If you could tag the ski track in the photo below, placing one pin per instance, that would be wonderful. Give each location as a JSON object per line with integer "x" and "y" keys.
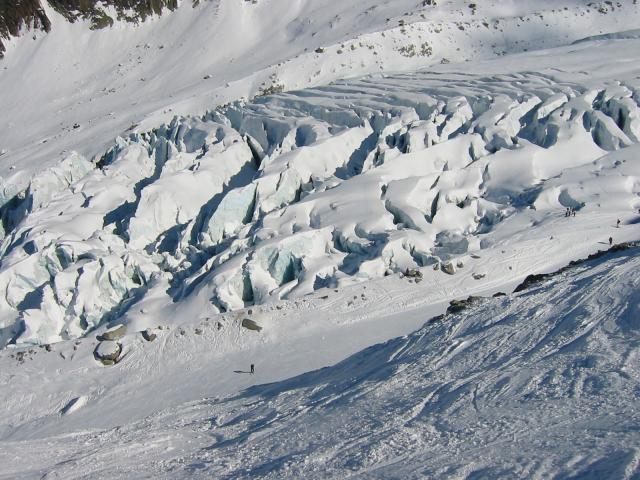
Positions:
{"x": 492, "y": 391}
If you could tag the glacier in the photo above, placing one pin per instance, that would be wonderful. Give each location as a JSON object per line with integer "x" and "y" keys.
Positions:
{"x": 256, "y": 202}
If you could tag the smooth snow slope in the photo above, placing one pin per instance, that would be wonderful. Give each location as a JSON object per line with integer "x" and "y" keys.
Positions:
{"x": 75, "y": 89}
{"x": 539, "y": 384}
{"x": 467, "y": 175}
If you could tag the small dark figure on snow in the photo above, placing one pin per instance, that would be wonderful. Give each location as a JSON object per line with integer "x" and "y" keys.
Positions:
{"x": 253, "y": 369}
{"x": 567, "y": 213}
{"x": 610, "y": 241}
{"x": 573, "y": 212}
{"x": 618, "y": 223}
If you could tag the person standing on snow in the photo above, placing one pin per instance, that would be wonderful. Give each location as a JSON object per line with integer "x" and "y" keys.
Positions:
{"x": 618, "y": 224}
{"x": 610, "y": 241}
{"x": 252, "y": 369}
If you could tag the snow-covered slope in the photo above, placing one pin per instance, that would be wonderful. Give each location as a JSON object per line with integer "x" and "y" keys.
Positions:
{"x": 543, "y": 383}
{"x": 76, "y": 89}
{"x": 467, "y": 174}
{"x": 159, "y": 236}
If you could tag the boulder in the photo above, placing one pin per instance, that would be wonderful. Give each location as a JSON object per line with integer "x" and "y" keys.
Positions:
{"x": 459, "y": 305}
{"x": 114, "y": 333}
{"x": 251, "y": 325}
{"x": 413, "y": 273}
{"x": 108, "y": 352}
{"x": 448, "y": 267}
{"x": 148, "y": 335}
{"x": 531, "y": 280}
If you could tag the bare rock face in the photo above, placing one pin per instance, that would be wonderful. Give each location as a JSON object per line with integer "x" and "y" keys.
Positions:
{"x": 108, "y": 352}
{"x": 17, "y": 16}
{"x": 114, "y": 333}
{"x": 251, "y": 325}
{"x": 126, "y": 10}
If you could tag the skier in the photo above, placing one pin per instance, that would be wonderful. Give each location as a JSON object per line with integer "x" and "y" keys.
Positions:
{"x": 610, "y": 241}
{"x": 573, "y": 211}
{"x": 252, "y": 369}
{"x": 567, "y": 213}
{"x": 618, "y": 224}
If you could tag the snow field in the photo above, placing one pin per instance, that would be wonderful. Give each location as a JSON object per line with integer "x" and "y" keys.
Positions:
{"x": 520, "y": 385}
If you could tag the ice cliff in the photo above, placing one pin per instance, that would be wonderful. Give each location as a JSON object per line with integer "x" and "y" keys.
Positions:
{"x": 304, "y": 190}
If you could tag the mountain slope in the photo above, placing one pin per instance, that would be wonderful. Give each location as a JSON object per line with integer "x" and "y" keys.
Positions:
{"x": 19, "y": 17}
{"x": 542, "y": 383}
{"x": 513, "y": 387}
{"x": 197, "y": 58}
{"x": 242, "y": 184}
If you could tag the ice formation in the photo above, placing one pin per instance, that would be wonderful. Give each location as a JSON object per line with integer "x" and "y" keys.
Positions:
{"x": 304, "y": 190}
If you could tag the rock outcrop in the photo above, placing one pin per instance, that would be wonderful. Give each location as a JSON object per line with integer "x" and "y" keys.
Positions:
{"x": 251, "y": 325}
{"x": 16, "y": 17}
{"x": 448, "y": 267}
{"x": 114, "y": 333}
{"x": 148, "y": 335}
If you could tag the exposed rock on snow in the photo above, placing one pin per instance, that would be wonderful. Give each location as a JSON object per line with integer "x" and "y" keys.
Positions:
{"x": 449, "y": 268}
{"x": 148, "y": 335}
{"x": 114, "y": 333}
{"x": 413, "y": 273}
{"x": 108, "y": 352}
{"x": 251, "y": 325}
{"x": 15, "y": 19}
{"x": 456, "y": 306}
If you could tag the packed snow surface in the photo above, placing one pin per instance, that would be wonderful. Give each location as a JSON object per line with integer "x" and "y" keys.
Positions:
{"x": 539, "y": 384}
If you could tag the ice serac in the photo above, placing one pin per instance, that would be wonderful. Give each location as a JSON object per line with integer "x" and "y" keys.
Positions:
{"x": 177, "y": 197}
{"x": 234, "y": 211}
{"x": 274, "y": 199}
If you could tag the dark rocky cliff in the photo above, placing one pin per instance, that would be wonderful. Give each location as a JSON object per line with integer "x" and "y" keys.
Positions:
{"x": 18, "y": 15}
